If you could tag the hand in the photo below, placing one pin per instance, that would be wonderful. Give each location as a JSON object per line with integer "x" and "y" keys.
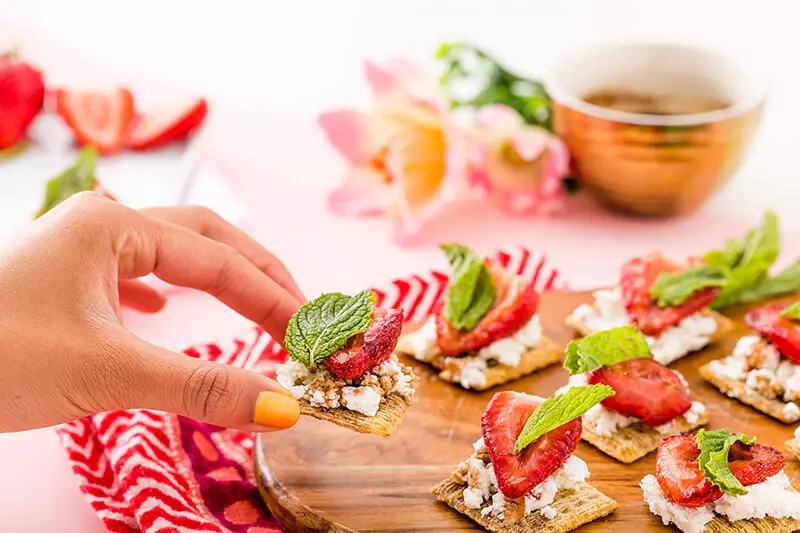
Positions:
{"x": 65, "y": 353}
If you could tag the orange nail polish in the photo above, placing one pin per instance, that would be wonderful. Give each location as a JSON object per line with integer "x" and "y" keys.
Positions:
{"x": 276, "y": 410}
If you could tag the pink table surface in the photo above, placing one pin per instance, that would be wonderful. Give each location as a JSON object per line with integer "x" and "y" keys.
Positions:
{"x": 283, "y": 169}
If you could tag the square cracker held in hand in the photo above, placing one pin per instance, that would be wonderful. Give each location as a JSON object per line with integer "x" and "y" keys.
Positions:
{"x": 573, "y": 508}
{"x": 384, "y": 423}
{"x": 543, "y": 355}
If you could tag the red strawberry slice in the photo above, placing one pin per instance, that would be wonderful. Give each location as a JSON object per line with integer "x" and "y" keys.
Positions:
{"x": 754, "y": 464}
{"x": 21, "y": 99}
{"x": 366, "y": 351}
{"x": 645, "y": 389}
{"x": 167, "y": 125}
{"x": 502, "y": 422}
{"x": 784, "y": 333}
{"x": 678, "y": 472}
{"x": 98, "y": 119}
{"x": 515, "y": 304}
{"x": 637, "y": 277}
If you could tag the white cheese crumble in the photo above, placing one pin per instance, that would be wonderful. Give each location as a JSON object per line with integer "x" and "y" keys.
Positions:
{"x": 773, "y": 497}
{"x": 606, "y": 422}
{"x": 689, "y": 335}
{"x": 487, "y": 497}
{"x": 361, "y": 399}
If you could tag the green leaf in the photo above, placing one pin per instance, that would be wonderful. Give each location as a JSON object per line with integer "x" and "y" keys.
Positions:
{"x": 559, "y": 410}
{"x": 675, "y": 288}
{"x": 714, "y": 449}
{"x": 471, "y": 292}
{"x": 605, "y": 348}
{"x": 324, "y": 325}
{"x": 792, "y": 312}
{"x": 77, "y": 178}
{"x": 784, "y": 282}
{"x": 740, "y": 280}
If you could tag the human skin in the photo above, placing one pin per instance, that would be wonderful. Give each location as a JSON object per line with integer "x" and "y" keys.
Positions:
{"x": 65, "y": 354}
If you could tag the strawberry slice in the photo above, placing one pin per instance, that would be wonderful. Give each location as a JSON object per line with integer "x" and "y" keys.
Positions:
{"x": 679, "y": 475}
{"x": 645, "y": 389}
{"x": 369, "y": 349}
{"x": 637, "y": 277}
{"x": 502, "y": 422}
{"x": 167, "y": 125}
{"x": 98, "y": 119}
{"x": 514, "y": 305}
{"x": 784, "y": 333}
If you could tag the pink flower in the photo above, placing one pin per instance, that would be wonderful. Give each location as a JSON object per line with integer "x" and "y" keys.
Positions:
{"x": 523, "y": 165}
{"x": 407, "y": 159}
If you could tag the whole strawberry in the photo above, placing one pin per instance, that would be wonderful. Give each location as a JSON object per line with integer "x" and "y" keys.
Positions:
{"x": 21, "y": 99}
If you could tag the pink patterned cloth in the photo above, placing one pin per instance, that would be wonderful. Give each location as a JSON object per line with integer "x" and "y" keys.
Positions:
{"x": 149, "y": 471}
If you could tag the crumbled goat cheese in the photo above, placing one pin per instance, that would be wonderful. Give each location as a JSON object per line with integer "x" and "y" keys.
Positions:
{"x": 689, "y": 335}
{"x": 361, "y": 399}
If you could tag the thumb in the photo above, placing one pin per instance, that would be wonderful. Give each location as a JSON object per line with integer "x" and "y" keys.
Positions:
{"x": 214, "y": 393}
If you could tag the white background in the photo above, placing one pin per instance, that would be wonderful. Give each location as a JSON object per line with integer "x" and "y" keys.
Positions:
{"x": 298, "y": 57}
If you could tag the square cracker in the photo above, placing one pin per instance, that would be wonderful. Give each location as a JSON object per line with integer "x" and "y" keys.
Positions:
{"x": 543, "y": 355}
{"x": 724, "y": 325}
{"x": 573, "y": 509}
{"x": 735, "y": 388}
{"x": 794, "y": 447}
{"x": 384, "y": 423}
{"x": 720, "y": 524}
{"x": 629, "y": 444}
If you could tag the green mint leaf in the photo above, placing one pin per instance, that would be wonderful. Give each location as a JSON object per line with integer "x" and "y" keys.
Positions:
{"x": 714, "y": 448}
{"x": 792, "y": 312}
{"x": 77, "y": 178}
{"x": 740, "y": 280}
{"x": 762, "y": 244}
{"x": 784, "y": 282}
{"x": 324, "y": 325}
{"x": 605, "y": 348}
{"x": 675, "y": 288}
{"x": 559, "y": 410}
{"x": 727, "y": 257}
{"x": 471, "y": 292}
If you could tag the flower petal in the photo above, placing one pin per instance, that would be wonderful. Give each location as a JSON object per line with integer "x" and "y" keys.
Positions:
{"x": 529, "y": 143}
{"x": 498, "y": 120}
{"x": 402, "y": 83}
{"x": 362, "y": 194}
{"x": 357, "y": 136}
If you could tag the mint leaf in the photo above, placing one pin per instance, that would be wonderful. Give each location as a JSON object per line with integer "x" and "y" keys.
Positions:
{"x": 471, "y": 292}
{"x": 559, "y": 410}
{"x": 675, "y": 288}
{"x": 784, "y": 282}
{"x": 324, "y": 325}
{"x": 792, "y": 312}
{"x": 714, "y": 449}
{"x": 77, "y": 178}
{"x": 605, "y": 348}
{"x": 728, "y": 256}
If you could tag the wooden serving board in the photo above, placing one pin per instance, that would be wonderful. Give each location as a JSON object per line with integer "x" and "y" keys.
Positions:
{"x": 320, "y": 477}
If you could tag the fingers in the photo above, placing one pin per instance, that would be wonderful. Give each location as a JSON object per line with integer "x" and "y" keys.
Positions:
{"x": 187, "y": 259}
{"x": 140, "y": 296}
{"x": 207, "y": 223}
{"x": 203, "y": 390}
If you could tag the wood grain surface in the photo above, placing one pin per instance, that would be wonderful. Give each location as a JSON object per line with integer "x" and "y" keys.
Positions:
{"x": 320, "y": 477}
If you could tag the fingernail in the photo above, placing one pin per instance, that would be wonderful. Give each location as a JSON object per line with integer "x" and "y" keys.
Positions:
{"x": 276, "y": 410}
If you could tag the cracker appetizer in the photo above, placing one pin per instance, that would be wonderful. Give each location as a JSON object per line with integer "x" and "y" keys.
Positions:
{"x": 675, "y": 325}
{"x": 650, "y": 400}
{"x": 522, "y": 475}
{"x": 485, "y": 330}
{"x": 342, "y": 365}
{"x": 716, "y": 482}
{"x": 764, "y": 370}
{"x": 794, "y": 444}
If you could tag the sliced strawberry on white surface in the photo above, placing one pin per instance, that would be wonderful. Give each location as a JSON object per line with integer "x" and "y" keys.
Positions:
{"x": 644, "y": 389}
{"x": 502, "y": 422}
{"x": 783, "y": 332}
{"x": 369, "y": 349}
{"x": 167, "y": 125}
{"x": 99, "y": 119}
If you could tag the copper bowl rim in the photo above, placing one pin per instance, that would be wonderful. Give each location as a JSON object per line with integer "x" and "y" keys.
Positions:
{"x": 573, "y": 101}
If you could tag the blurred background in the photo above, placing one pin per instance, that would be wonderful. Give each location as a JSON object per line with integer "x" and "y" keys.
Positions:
{"x": 267, "y": 71}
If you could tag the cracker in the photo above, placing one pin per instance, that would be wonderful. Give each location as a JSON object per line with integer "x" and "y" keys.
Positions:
{"x": 735, "y": 388}
{"x": 629, "y": 444}
{"x": 756, "y": 525}
{"x": 794, "y": 447}
{"x": 384, "y": 423}
{"x": 573, "y": 509}
{"x": 544, "y": 354}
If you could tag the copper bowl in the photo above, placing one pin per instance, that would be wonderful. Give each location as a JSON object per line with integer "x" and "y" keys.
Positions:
{"x": 654, "y": 165}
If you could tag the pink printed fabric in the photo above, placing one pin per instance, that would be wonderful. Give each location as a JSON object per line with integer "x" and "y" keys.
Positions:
{"x": 149, "y": 471}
